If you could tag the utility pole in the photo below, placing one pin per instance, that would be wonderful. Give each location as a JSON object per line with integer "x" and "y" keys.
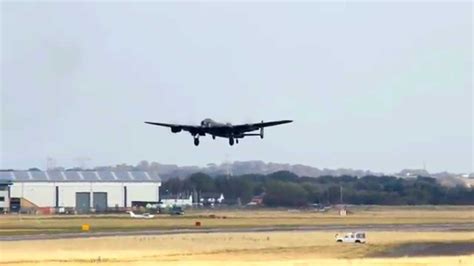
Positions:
{"x": 340, "y": 194}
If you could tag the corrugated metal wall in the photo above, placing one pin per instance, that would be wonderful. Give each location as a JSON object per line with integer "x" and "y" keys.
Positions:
{"x": 43, "y": 194}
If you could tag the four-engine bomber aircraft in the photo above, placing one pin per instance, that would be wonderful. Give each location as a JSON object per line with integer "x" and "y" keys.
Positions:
{"x": 232, "y": 132}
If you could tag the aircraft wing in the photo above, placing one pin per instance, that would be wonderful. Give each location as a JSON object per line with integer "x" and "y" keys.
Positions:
{"x": 177, "y": 127}
{"x": 255, "y": 126}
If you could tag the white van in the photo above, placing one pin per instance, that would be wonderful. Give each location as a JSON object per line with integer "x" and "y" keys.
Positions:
{"x": 352, "y": 237}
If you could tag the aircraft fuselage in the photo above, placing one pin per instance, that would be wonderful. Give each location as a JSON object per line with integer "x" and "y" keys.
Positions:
{"x": 223, "y": 130}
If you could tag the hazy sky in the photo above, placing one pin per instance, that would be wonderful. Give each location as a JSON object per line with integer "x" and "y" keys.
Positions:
{"x": 370, "y": 86}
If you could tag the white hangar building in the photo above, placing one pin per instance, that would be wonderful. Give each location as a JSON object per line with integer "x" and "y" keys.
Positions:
{"x": 81, "y": 190}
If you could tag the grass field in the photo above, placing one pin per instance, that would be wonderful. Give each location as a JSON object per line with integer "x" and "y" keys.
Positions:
{"x": 276, "y": 248}
{"x": 256, "y": 248}
{"x": 16, "y": 224}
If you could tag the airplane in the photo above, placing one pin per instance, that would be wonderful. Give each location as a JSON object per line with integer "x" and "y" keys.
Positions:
{"x": 142, "y": 216}
{"x": 215, "y": 129}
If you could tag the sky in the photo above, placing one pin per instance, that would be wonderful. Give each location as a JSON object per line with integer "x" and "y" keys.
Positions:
{"x": 374, "y": 86}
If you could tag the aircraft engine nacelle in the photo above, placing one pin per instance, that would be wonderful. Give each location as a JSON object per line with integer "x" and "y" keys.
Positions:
{"x": 176, "y": 129}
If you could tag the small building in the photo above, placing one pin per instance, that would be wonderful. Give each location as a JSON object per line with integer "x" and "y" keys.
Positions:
{"x": 256, "y": 200}
{"x": 342, "y": 209}
{"x": 211, "y": 198}
{"x": 180, "y": 200}
{"x": 342, "y": 212}
{"x": 82, "y": 191}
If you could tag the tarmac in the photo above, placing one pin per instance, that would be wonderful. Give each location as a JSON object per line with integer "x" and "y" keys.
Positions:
{"x": 428, "y": 249}
{"x": 449, "y": 227}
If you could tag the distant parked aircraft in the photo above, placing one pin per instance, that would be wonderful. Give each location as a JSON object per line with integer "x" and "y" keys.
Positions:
{"x": 142, "y": 216}
{"x": 232, "y": 132}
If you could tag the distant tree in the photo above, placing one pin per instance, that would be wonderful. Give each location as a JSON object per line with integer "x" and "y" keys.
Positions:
{"x": 282, "y": 176}
{"x": 235, "y": 187}
{"x": 334, "y": 194}
{"x": 71, "y": 169}
{"x": 154, "y": 166}
{"x": 314, "y": 192}
{"x": 103, "y": 168}
{"x": 286, "y": 189}
{"x": 174, "y": 186}
{"x": 202, "y": 182}
{"x": 346, "y": 179}
{"x": 325, "y": 179}
{"x": 280, "y": 193}
{"x": 123, "y": 167}
{"x": 143, "y": 166}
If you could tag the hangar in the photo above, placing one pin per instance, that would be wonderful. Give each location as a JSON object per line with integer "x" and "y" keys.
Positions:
{"x": 82, "y": 191}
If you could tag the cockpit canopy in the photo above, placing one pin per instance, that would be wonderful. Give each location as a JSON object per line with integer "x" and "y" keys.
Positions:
{"x": 210, "y": 123}
{"x": 207, "y": 122}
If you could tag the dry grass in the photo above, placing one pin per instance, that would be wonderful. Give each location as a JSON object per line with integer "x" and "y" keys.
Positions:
{"x": 426, "y": 261}
{"x": 275, "y": 248}
{"x": 14, "y": 224}
{"x": 278, "y": 248}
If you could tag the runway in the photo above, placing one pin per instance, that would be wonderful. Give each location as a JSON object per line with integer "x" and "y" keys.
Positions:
{"x": 448, "y": 227}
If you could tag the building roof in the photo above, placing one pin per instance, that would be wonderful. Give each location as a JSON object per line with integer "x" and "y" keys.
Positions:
{"x": 79, "y": 176}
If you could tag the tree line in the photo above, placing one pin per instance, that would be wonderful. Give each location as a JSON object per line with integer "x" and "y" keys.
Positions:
{"x": 287, "y": 189}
